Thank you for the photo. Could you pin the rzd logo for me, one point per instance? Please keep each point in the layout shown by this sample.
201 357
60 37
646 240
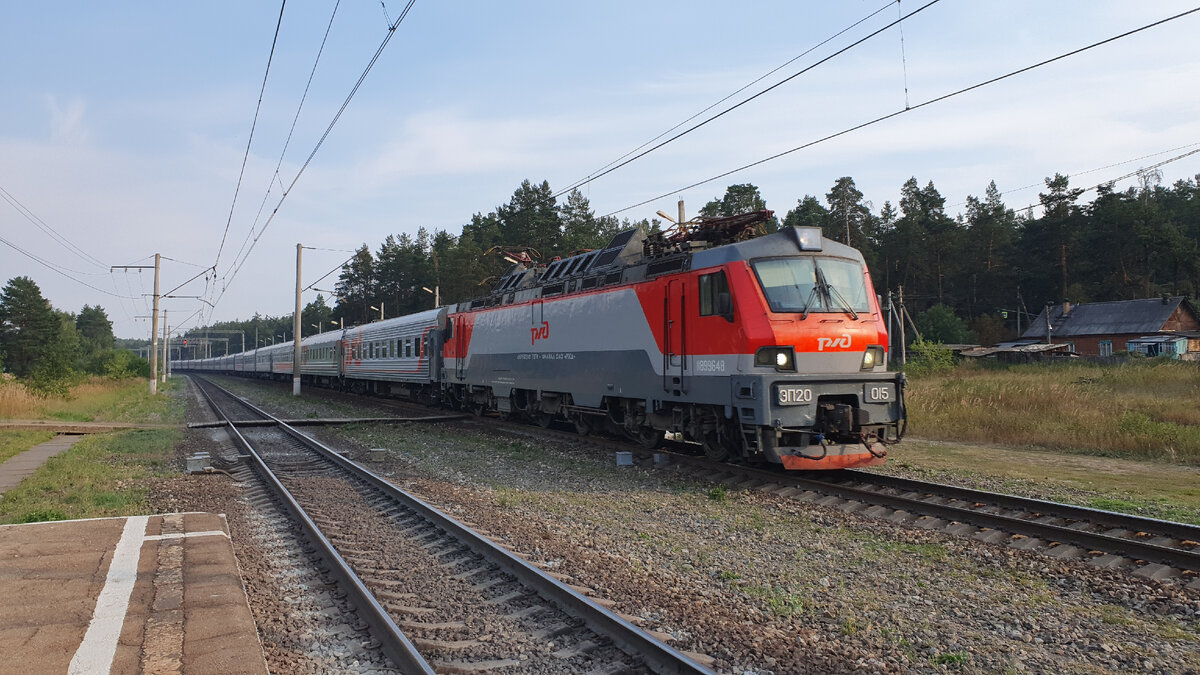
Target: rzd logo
843 342
541 332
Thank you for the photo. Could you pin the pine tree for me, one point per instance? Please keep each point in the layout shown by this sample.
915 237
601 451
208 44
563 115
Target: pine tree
28 326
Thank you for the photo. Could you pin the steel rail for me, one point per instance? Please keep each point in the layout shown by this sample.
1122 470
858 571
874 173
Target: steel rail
1111 519
656 655
392 640
1131 548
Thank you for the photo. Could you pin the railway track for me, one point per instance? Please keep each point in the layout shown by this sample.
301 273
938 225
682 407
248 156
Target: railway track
436 595
1144 547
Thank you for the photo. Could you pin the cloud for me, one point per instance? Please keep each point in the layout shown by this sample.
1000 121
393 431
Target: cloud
66 121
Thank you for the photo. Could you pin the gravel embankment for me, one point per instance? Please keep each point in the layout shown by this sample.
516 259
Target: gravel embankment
302 627
767 584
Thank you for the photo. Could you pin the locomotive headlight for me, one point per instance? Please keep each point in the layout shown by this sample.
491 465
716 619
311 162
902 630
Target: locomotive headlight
781 358
872 357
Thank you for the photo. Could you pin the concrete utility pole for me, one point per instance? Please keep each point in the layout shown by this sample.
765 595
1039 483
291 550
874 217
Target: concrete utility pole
164 341
296 329
154 331
154 321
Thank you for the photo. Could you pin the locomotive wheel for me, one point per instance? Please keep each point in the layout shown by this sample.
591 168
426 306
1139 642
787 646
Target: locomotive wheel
542 419
648 437
714 449
583 426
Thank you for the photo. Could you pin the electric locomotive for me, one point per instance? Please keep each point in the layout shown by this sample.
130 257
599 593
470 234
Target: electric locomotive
770 348
764 348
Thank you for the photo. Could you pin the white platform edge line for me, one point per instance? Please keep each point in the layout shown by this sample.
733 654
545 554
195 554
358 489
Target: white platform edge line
184 535
89 520
95 653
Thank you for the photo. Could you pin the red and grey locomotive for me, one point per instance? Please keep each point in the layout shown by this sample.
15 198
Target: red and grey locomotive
770 348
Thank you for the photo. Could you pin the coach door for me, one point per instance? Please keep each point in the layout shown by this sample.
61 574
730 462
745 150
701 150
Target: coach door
460 346
675 337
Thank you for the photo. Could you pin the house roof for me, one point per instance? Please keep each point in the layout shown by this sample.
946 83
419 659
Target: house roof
1148 339
1008 347
1120 317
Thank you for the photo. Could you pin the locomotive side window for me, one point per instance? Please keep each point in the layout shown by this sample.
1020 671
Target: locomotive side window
715 299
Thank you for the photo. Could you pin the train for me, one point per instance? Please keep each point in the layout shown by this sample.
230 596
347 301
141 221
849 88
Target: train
750 346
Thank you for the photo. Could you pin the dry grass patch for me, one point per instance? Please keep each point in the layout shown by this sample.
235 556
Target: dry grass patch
96 399
1141 410
15 400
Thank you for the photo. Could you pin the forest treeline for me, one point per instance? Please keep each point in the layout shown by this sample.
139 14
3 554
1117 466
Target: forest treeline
965 276
49 350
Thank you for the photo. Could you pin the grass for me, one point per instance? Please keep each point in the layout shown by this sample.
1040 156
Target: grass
879 547
94 400
103 474
1141 487
779 600
1144 410
953 659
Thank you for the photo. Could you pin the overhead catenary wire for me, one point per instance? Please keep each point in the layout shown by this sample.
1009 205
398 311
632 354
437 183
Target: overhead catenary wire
250 140
55 268
918 106
184 262
744 101
275 178
42 225
1131 174
581 182
1076 174
323 276
903 58
230 274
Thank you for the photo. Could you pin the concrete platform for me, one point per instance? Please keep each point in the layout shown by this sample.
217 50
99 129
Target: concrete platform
125 595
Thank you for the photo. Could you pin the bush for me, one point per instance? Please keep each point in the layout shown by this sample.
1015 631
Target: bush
940 324
50 377
926 357
119 365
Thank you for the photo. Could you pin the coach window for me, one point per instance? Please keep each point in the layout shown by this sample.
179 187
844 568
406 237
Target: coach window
408 348
715 299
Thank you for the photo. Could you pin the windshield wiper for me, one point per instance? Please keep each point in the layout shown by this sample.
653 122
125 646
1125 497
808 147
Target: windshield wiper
831 292
808 304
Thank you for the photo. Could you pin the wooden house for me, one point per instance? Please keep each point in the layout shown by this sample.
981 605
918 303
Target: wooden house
1102 328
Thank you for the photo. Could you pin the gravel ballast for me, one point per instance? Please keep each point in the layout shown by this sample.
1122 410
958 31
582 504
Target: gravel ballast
769 584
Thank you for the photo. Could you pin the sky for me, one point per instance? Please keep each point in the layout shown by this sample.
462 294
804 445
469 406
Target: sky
124 126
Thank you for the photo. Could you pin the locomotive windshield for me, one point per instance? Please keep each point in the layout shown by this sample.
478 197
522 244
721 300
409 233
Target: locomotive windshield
813 285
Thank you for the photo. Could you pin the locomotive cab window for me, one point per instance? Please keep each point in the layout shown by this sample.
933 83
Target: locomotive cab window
715 299
827 285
